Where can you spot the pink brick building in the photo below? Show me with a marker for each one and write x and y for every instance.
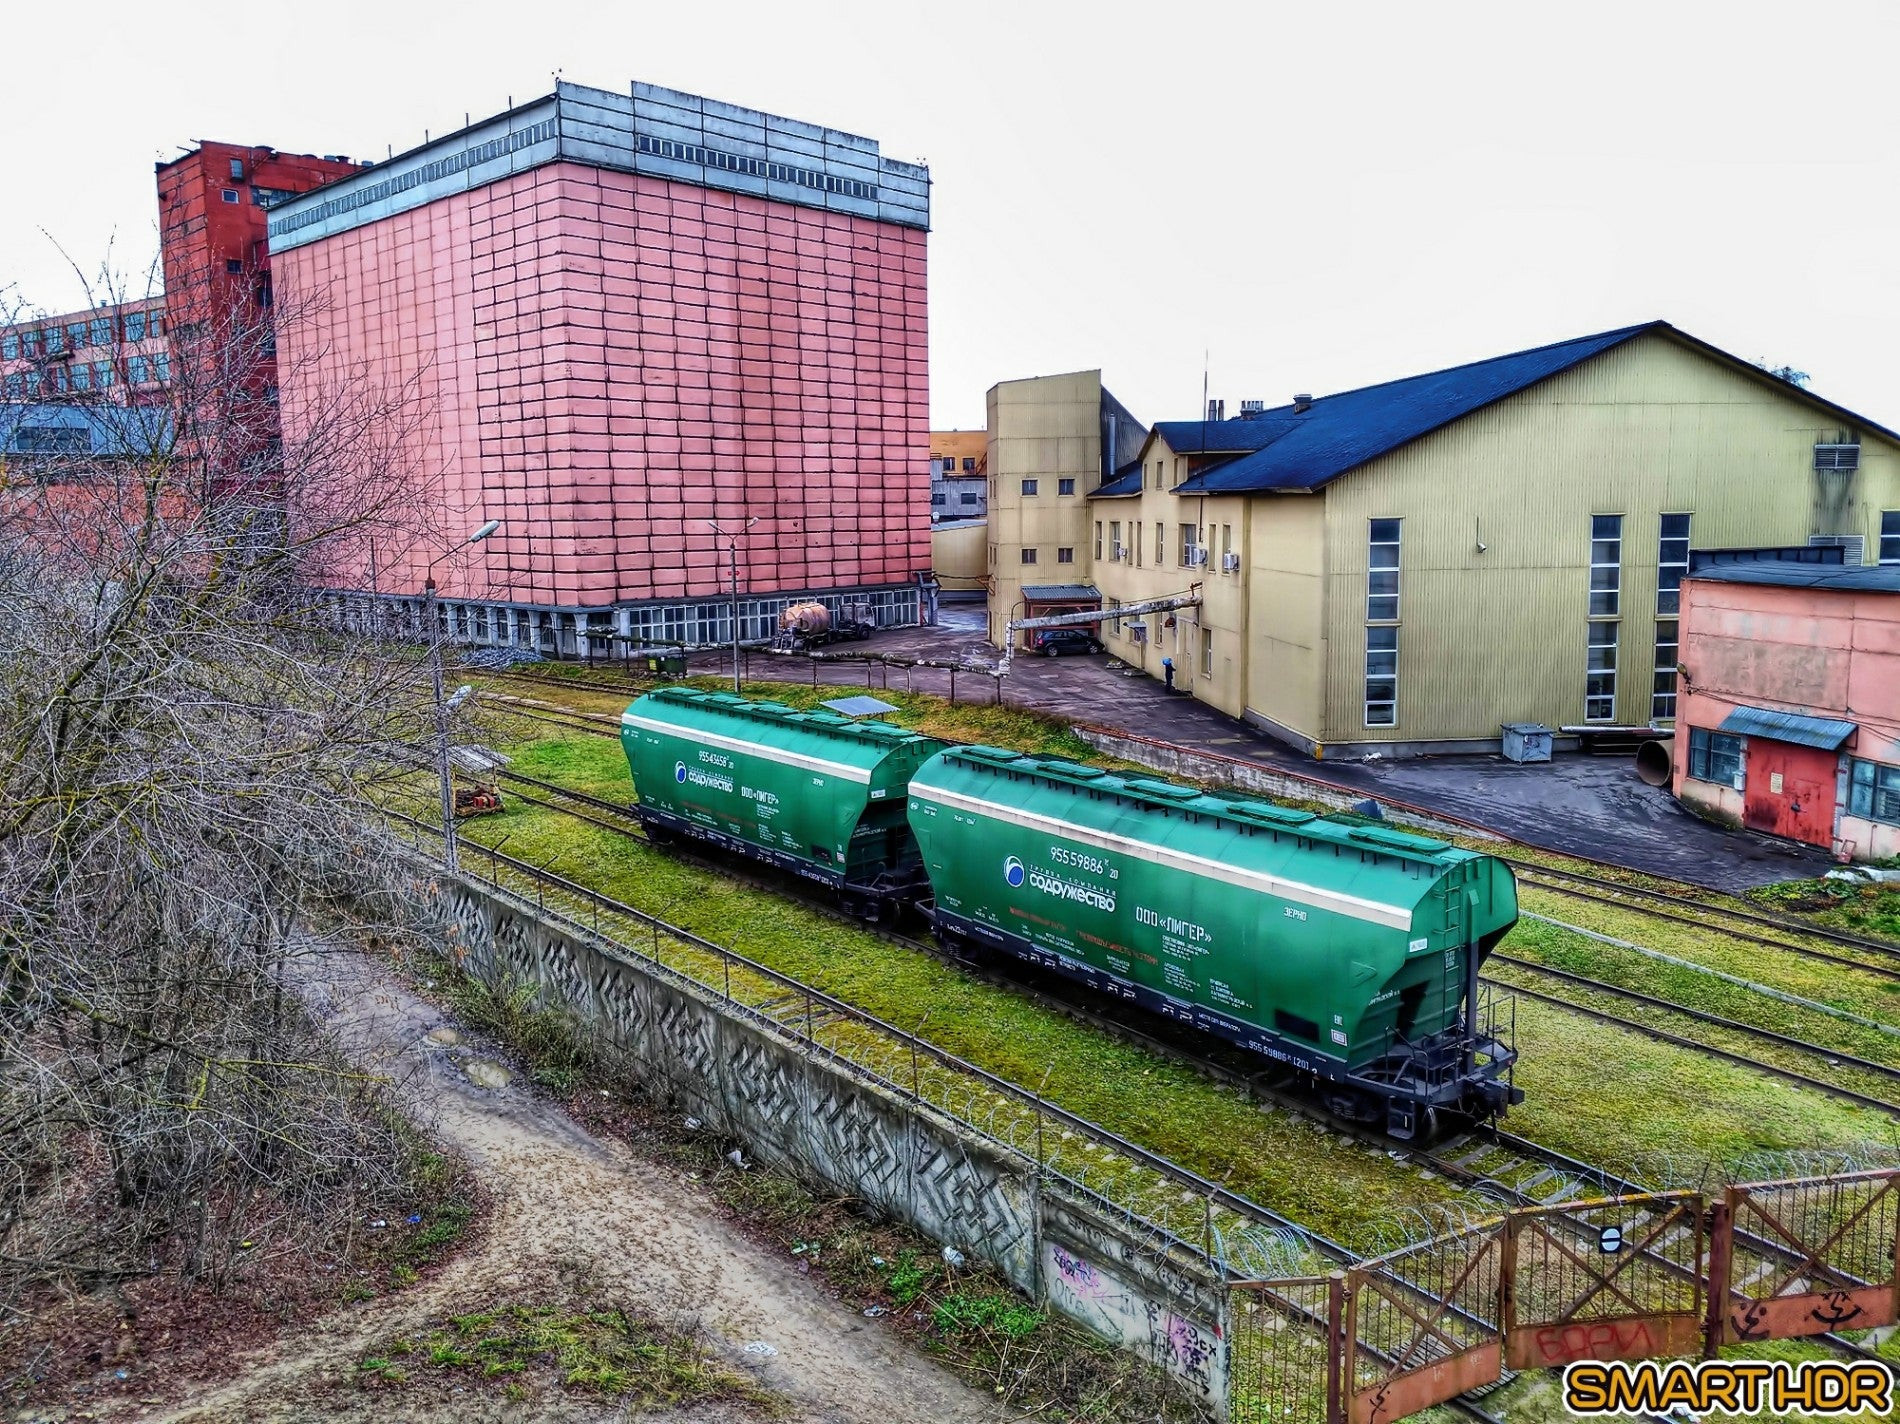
(631, 315)
(1788, 703)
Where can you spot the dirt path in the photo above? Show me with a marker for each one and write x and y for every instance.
(563, 1196)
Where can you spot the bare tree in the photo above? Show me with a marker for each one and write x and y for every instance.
(187, 739)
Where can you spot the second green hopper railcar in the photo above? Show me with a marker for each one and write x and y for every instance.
(1349, 951)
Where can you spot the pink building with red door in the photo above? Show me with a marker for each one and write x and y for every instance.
(634, 316)
(1788, 710)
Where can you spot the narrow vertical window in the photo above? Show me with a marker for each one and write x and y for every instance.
(1890, 537)
(1098, 538)
(1606, 565)
(1115, 550)
(1606, 602)
(1662, 697)
(1672, 562)
(1382, 572)
(1207, 652)
(1599, 691)
(1382, 676)
(1161, 543)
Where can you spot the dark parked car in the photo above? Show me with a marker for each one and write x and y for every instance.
(1058, 641)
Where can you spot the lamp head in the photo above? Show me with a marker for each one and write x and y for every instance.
(480, 534)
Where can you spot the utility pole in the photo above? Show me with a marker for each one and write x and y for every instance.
(442, 709)
(732, 550)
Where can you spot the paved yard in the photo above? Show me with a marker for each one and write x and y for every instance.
(1588, 806)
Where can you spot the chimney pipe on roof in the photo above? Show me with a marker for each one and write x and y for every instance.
(1302, 404)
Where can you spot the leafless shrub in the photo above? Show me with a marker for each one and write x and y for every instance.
(186, 742)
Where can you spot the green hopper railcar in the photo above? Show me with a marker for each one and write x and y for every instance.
(1348, 951)
(814, 793)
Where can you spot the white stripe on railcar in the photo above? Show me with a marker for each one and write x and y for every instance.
(739, 744)
(1353, 906)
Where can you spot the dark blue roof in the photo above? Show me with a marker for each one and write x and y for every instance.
(52, 428)
(1340, 432)
(1127, 481)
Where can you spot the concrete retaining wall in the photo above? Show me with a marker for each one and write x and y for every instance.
(1251, 776)
(804, 1112)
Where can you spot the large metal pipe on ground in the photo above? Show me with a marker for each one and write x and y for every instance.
(1655, 763)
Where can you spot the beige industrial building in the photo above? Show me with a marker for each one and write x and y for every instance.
(1404, 568)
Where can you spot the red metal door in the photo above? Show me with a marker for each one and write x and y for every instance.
(1790, 791)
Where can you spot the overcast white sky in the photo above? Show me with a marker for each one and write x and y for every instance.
(1318, 196)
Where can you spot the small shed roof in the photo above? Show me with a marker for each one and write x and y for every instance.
(1823, 732)
(1060, 592)
(1850, 578)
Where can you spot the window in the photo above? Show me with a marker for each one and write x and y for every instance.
(135, 326)
(1207, 652)
(1382, 571)
(949, 464)
(1599, 684)
(937, 498)
(1029, 556)
(1890, 537)
(135, 370)
(30, 343)
(76, 334)
(230, 195)
(10, 347)
(155, 324)
(1226, 545)
(1065, 556)
(1029, 486)
(1382, 677)
(1115, 550)
(1098, 538)
(1716, 757)
(1065, 486)
(82, 377)
(1158, 464)
(100, 332)
(1672, 562)
(969, 496)
(14, 386)
(60, 378)
(1606, 565)
(1873, 791)
(969, 463)
(233, 265)
(237, 168)
(1662, 697)
(55, 340)
(1190, 545)
(1161, 543)
(162, 367)
(102, 374)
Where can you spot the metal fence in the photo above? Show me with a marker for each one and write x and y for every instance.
(1654, 1276)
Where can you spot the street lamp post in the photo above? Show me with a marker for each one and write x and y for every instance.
(732, 548)
(442, 708)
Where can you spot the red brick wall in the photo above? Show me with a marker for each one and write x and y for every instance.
(614, 360)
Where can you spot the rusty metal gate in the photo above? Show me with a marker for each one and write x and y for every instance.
(1618, 1279)
(1422, 1325)
(1804, 1257)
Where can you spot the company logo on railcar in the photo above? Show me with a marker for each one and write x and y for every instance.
(683, 773)
(1013, 872)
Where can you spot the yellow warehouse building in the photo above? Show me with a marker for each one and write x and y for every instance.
(1402, 569)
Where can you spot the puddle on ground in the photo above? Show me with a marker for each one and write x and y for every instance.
(444, 1036)
(487, 1075)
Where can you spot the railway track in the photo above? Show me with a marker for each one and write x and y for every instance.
(1511, 1170)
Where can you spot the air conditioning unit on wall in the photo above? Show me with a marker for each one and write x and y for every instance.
(1196, 557)
(1121, 551)
(1229, 563)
